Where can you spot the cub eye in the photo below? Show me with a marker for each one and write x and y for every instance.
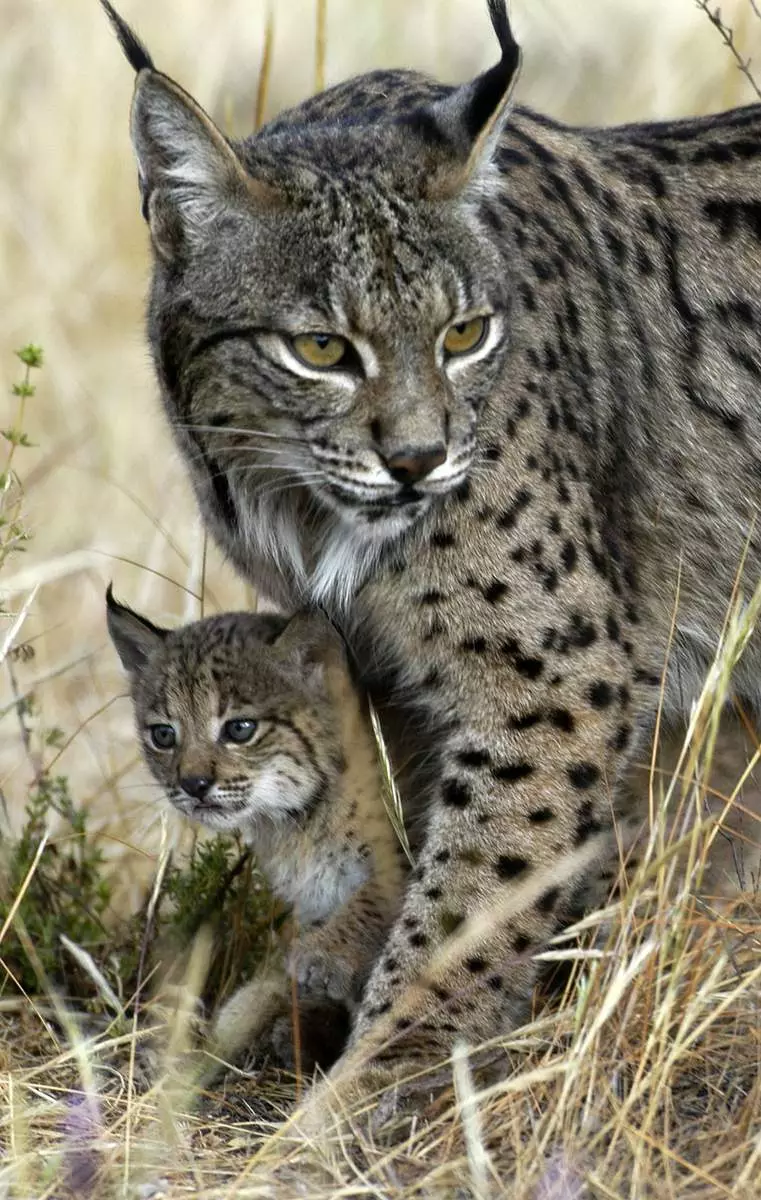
(238, 729)
(321, 350)
(163, 736)
(466, 336)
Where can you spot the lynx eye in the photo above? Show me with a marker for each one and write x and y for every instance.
(320, 350)
(163, 736)
(238, 730)
(466, 336)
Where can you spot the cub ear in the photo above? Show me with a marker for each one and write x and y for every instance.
(134, 637)
(473, 116)
(310, 643)
(188, 171)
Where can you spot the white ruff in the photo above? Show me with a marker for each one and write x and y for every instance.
(345, 556)
(271, 527)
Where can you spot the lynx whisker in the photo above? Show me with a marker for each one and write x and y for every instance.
(272, 459)
(279, 489)
(243, 431)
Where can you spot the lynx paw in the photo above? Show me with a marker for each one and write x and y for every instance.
(321, 973)
(370, 1095)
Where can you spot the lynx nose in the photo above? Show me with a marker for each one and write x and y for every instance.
(197, 786)
(413, 464)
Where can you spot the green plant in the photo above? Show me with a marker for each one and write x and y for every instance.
(57, 886)
(12, 533)
(66, 891)
(220, 886)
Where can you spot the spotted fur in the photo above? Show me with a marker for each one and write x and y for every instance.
(511, 613)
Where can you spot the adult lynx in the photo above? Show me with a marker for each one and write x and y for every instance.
(487, 387)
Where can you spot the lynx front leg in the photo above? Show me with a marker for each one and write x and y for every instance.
(404, 1052)
(335, 959)
(249, 1012)
(400, 1048)
(544, 713)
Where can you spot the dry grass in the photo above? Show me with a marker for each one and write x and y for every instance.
(647, 1079)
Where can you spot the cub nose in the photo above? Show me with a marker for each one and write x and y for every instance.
(197, 786)
(413, 464)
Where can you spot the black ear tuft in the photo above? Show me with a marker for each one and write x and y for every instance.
(135, 638)
(501, 26)
(490, 88)
(134, 50)
(471, 118)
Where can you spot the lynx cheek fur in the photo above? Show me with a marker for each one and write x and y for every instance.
(488, 387)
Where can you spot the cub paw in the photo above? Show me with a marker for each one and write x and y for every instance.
(244, 1019)
(321, 973)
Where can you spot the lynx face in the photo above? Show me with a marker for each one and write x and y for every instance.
(232, 716)
(330, 307)
(345, 347)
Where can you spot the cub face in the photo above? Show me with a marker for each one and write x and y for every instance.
(233, 714)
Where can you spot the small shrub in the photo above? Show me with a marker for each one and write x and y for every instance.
(221, 887)
(66, 893)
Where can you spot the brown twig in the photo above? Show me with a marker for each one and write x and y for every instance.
(728, 37)
(320, 45)
(265, 68)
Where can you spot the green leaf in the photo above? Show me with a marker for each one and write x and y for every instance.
(30, 355)
(16, 437)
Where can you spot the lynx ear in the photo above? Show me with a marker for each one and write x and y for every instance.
(473, 116)
(188, 171)
(134, 637)
(309, 643)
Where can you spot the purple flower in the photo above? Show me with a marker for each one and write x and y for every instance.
(82, 1128)
(561, 1181)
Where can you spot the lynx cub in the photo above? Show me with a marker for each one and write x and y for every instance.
(252, 723)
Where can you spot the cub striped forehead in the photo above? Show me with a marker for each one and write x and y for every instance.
(257, 648)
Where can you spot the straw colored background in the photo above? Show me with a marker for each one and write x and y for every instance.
(103, 483)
